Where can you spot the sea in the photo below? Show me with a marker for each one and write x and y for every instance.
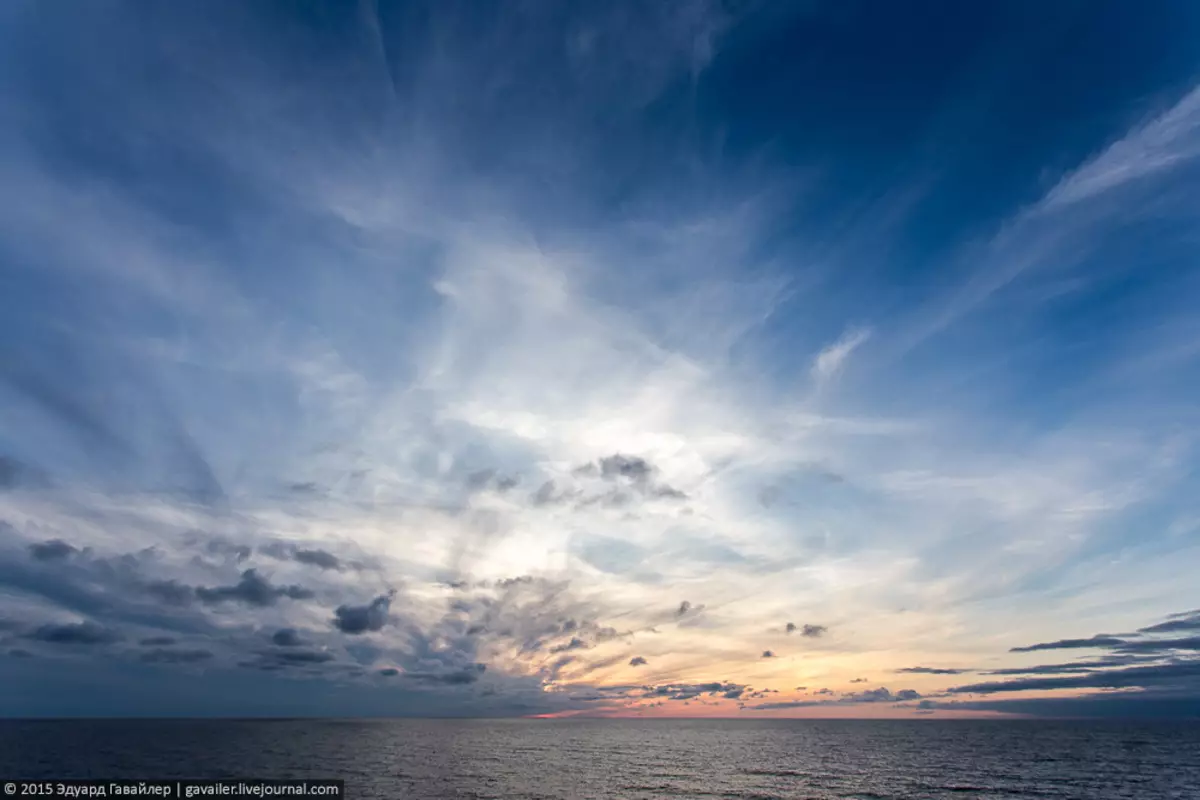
(817, 759)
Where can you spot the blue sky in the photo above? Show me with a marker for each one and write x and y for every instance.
(506, 359)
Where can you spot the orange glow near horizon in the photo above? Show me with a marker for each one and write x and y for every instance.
(727, 709)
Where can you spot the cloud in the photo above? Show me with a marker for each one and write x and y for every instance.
(859, 680)
(165, 656)
(829, 362)
(1188, 621)
(870, 696)
(1177, 674)
(362, 619)
(634, 468)
(1151, 673)
(1100, 640)
(318, 558)
(1160, 645)
(170, 592)
(768, 654)
(690, 691)
(575, 644)
(277, 660)
(51, 550)
(314, 557)
(930, 671)
(637, 661)
(157, 641)
(1072, 667)
(1162, 144)
(287, 637)
(458, 677)
(622, 471)
(84, 633)
(197, 392)
(253, 589)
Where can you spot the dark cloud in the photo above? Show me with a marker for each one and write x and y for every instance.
(389, 672)
(520, 580)
(361, 619)
(276, 660)
(1068, 668)
(1189, 621)
(1123, 705)
(108, 590)
(287, 637)
(621, 466)
(1142, 675)
(1101, 640)
(1191, 643)
(859, 680)
(170, 592)
(486, 479)
(157, 641)
(219, 546)
(313, 557)
(931, 671)
(814, 631)
(303, 657)
(318, 558)
(305, 487)
(690, 691)
(86, 633)
(790, 628)
(281, 551)
(880, 695)
(784, 705)
(768, 654)
(469, 674)
(1186, 673)
(575, 644)
(51, 550)
(164, 656)
(637, 661)
(253, 590)
(18, 652)
(631, 471)
(549, 494)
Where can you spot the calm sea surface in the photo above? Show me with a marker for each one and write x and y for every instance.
(633, 758)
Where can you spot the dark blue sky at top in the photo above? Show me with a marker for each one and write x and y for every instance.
(208, 180)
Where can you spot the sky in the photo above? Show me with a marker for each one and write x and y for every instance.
(802, 359)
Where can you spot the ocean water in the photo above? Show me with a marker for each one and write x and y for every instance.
(913, 760)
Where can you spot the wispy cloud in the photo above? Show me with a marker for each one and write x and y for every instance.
(411, 373)
(829, 361)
